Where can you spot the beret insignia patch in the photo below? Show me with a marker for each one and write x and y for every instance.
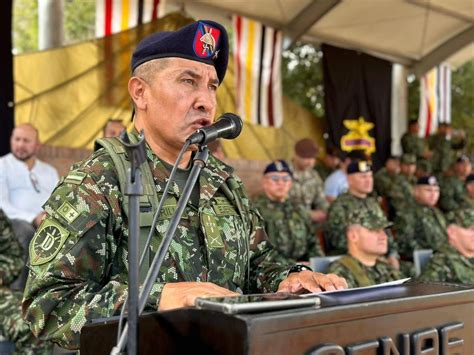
(206, 40)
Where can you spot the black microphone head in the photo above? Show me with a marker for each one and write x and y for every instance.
(237, 125)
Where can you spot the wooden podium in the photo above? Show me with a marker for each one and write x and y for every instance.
(413, 318)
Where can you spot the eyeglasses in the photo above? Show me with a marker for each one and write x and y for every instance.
(276, 178)
(34, 182)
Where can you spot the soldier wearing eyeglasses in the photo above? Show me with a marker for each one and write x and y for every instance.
(287, 224)
(27, 183)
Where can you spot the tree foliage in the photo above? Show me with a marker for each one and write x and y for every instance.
(302, 77)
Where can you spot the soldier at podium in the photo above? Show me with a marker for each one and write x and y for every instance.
(78, 257)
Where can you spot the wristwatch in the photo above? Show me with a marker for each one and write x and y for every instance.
(298, 268)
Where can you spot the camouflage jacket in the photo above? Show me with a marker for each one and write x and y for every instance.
(78, 256)
(11, 255)
(341, 208)
(412, 144)
(420, 227)
(443, 151)
(453, 194)
(401, 194)
(379, 273)
(309, 189)
(383, 182)
(289, 229)
(448, 265)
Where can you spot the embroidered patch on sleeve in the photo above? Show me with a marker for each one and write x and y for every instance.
(68, 212)
(47, 242)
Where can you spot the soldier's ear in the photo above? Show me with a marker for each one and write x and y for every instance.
(136, 89)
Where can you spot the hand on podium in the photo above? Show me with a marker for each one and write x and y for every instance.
(304, 281)
(184, 294)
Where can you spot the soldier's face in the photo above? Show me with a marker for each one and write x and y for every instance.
(24, 142)
(408, 169)
(179, 99)
(277, 186)
(303, 163)
(361, 182)
(372, 242)
(427, 195)
(463, 169)
(393, 166)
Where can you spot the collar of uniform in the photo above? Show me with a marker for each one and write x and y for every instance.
(214, 174)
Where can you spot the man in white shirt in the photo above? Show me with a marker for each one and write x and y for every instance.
(25, 184)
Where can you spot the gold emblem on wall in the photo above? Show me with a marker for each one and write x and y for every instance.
(358, 137)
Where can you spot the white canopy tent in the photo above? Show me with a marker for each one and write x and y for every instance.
(418, 34)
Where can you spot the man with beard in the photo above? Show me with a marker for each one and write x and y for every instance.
(26, 183)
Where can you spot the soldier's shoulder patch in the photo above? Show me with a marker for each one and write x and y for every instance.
(47, 242)
(75, 177)
(68, 212)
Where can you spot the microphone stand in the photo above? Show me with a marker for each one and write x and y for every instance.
(199, 162)
(133, 189)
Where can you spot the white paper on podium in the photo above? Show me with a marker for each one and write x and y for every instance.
(391, 283)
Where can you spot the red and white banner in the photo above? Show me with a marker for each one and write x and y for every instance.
(257, 58)
(435, 99)
(114, 16)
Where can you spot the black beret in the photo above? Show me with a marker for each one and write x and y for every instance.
(203, 41)
(358, 166)
(278, 166)
(427, 180)
(470, 178)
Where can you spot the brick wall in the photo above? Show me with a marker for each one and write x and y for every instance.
(250, 171)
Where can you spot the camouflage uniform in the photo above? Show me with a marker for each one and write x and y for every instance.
(453, 194)
(341, 209)
(412, 144)
(289, 229)
(443, 151)
(448, 265)
(12, 326)
(371, 275)
(78, 256)
(401, 195)
(383, 182)
(420, 227)
(309, 189)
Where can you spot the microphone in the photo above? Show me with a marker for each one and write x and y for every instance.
(228, 126)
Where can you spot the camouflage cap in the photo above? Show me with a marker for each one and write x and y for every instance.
(306, 148)
(367, 219)
(427, 180)
(424, 165)
(408, 159)
(463, 217)
(278, 166)
(358, 166)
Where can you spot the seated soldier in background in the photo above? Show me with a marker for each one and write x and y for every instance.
(401, 194)
(384, 179)
(454, 260)
(113, 128)
(367, 243)
(421, 226)
(328, 164)
(359, 174)
(26, 183)
(453, 192)
(444, 145)
(12, 327)
(307, 184)
(423, 168)
(412, 143)
(287, 223)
